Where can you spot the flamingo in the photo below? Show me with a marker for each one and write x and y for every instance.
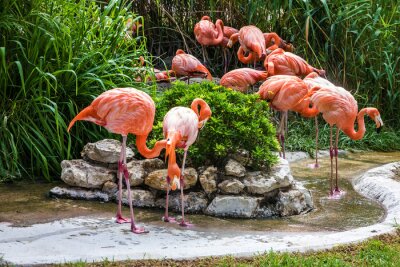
(251, 40)
(272, 41)
(161, 76)
(284, 92)
(187, 65)
(280, 62)
(208, 34)
(180, 127)
(338, 107)
(242, 79)
(314, 82)
(123, 111)
(131, 28)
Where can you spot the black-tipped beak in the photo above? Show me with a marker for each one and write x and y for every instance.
(378, 130)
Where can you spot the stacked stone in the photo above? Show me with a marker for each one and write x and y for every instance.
(229, 192)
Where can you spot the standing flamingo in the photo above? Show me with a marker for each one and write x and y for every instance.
(338, 107)
(181, 126)
(314, 82)
(187, 65)
(251, 40)
(242, 79)
(228, 32)
(123, 111)
(284, 92)
(208, 34)
(280, 62)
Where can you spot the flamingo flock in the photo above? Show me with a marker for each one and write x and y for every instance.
(289, 84)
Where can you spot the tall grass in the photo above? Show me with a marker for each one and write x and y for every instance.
(55, 57)
(355, 41)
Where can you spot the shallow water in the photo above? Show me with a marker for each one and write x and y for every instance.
(26, 204)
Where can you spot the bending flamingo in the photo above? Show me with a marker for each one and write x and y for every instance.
(274, 41)
(242, 79)
(280, 62)
(314, 82)
(284, 92)
(123, 111)
(187, 65)
(338, 107)
(181, 126)
(208, 34)
(251, 40)
(228, 32)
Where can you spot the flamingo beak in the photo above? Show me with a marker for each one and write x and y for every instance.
(379, 123)
(175, 184)
(229, 43)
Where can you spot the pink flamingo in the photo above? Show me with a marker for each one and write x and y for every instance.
(181, 126)
(187, 65)
(208, 34)
(123, 111)
(338, 107)
(279, 62)
(242, 79)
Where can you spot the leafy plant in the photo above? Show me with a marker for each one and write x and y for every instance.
(238, 121)
(55, 57)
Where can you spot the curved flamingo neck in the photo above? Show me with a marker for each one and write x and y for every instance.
(220, 29)
(351, 132)
(145, 151)
(200, 104)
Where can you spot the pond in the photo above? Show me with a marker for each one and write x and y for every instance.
(24, 204)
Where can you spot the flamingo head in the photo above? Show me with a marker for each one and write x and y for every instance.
(374, 114)
(173, 176)
(204, 113)
(206, 18)
(179, 52)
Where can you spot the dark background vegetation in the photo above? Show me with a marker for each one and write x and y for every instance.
(57, 55)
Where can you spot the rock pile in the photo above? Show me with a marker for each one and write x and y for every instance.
(229, 192)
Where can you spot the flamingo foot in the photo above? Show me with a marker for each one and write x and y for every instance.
(138, 230)
(168, 219)
(120, 219)
(313, 166)
(337, 193)
(185, 224)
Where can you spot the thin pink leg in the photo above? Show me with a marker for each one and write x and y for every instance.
(119, 218)
(282, 132)
(183, 222)
(337, 191)
(134, 228)
(166, 218)
(225, 60)
(316, 165)
(331, 155)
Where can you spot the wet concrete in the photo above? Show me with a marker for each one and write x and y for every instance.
(96, 236)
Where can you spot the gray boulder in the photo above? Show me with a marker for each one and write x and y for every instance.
(105, 151)
(79, 193)
(84, 174)
(208, 180)
(233, 206)
(234, 168)
(195, 202)
(232, 186)
(140, 198)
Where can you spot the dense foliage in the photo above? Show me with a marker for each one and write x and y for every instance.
(56, 56)
(355, 41)
(238, 121)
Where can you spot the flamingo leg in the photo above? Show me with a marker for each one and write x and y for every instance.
(119, 218)
(337, 190)
(225, 60)
(134, 228)
(316, 141)
(183, 222)
(166, 218)
(282, 131)
(331, 155)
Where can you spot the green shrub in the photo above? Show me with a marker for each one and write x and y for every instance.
(238, 121)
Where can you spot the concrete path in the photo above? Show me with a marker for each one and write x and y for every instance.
(88, 239)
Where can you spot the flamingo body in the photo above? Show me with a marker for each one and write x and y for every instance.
(242, 79)
(187, 65)
(208, 33)
(280, 62)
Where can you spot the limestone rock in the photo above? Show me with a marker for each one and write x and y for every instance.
(195, 202)
(260, 183)
(234, 168)
(110, 188)
(152, 164)
(83, 174)
(292, 202)
(243, 157)
(208, 180)
(233, 186)
(106, 151)
(136, 172)
(157, 179)
(79, 193)
(233, 206)
(140, 198)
